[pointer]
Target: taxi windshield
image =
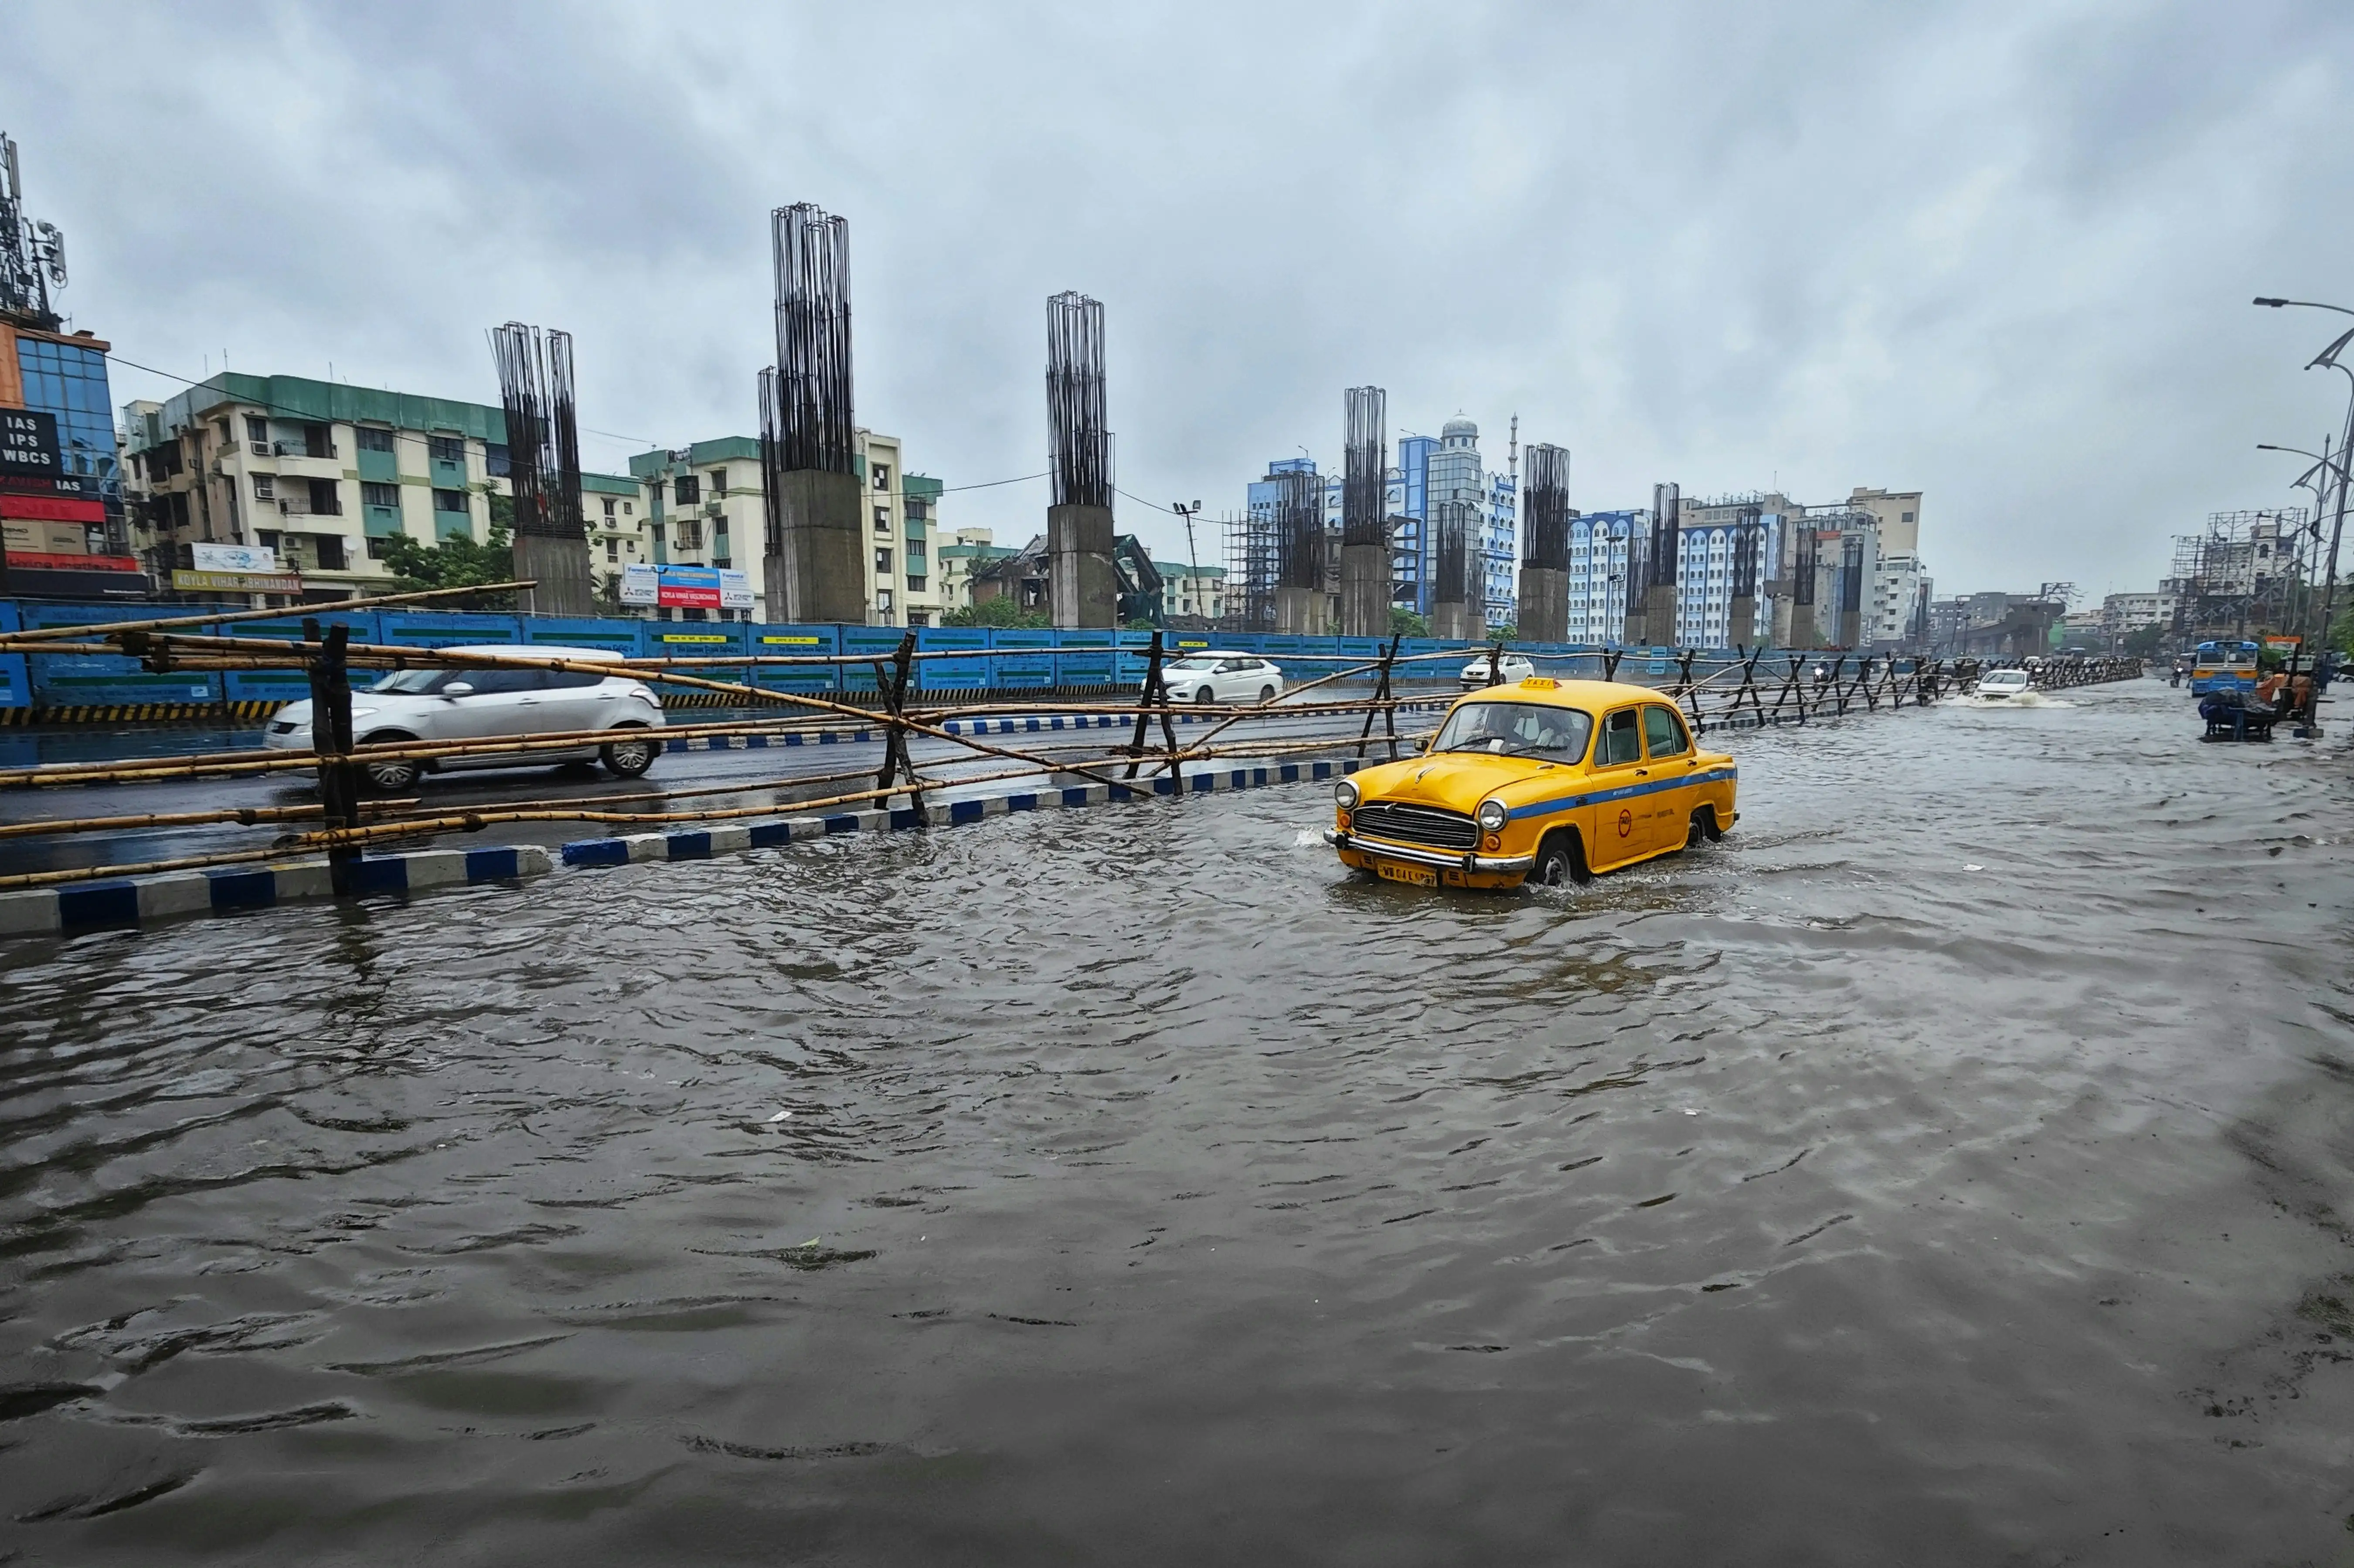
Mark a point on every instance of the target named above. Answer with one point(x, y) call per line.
point(1516, 729)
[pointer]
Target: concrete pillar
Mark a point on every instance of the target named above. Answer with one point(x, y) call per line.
point(1083, 588)
point(560, 567)
point(1458, 622)
point(1660, 615)
point(1544, 605)
point(1741, 622)
point(1365, 590)
point(816, 566)
point(1303, 612)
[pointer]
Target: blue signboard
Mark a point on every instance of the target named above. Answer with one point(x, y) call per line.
point(15, 686)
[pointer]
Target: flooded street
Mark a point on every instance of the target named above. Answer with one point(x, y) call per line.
point(1949, 1168)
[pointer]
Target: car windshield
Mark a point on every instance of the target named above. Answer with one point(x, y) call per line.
point(1192, 666)
point(1516, 729)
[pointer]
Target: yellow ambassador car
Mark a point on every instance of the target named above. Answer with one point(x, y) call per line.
point(1546, 781)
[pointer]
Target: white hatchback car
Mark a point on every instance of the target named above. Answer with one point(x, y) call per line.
point(470, 705)
point(1510, 669)
point(1221, 678)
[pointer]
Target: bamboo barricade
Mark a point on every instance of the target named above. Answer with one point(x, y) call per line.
point(1734, 693)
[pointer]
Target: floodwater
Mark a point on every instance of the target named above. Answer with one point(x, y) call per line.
point(1949, 1168)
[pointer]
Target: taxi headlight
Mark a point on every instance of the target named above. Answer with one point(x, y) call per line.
point(1344, 794)
point(1491, 816)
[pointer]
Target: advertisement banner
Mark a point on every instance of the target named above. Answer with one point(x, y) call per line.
point(686, 588)
point(28, 444)
point(232, 558)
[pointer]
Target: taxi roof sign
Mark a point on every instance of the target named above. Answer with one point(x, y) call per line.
point(1541, 683)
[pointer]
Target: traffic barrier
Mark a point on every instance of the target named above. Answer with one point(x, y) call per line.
point(139, 901)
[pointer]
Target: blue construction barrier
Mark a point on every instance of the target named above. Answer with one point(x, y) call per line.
point(15, 681)
point(102, 680)
point(1096, 662)
point(1027, 671)
point(952, 675)
point(445, 629)
point(870, 642)
point(275, 686)
point(772, 640)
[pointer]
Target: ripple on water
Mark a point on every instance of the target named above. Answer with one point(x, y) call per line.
point(1943, 1170)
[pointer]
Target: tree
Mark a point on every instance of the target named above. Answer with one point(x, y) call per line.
point(609, 594)
point(1405, 622)
point(999, 611)
point(1508, 632)
point(2142, 642)
point(455, 562)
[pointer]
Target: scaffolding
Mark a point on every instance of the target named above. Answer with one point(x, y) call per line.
point(1250, 570)
point(2245, 572)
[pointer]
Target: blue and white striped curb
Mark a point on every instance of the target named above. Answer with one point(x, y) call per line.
point(764, 742)
point(146, 900)
point(1042, 723)
point(702, 843)
point(141, 901)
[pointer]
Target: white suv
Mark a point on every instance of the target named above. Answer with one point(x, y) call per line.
point(1221, 678)
point(470, 705)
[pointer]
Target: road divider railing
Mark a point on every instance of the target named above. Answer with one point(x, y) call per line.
point(1748, 688)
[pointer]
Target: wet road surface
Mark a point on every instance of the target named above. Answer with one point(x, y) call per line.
point(1949, 1168)
point(773, 775)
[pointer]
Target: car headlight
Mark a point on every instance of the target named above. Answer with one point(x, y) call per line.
point(1344, 794)
point(1491, 816)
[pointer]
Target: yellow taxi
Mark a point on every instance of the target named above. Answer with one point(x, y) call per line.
point(1546, 781)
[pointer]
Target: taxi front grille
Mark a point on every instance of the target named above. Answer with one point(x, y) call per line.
point(1411, 824)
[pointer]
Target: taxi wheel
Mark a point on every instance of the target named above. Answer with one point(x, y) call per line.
point(1704, 826)
point(1561, 860)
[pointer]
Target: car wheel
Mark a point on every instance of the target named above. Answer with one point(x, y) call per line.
point(1266, 696)
point(1203, 695)
point(1561, 860)
point(391, 777)
point(629, 758)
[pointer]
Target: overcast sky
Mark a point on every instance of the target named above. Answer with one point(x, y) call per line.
point(2001, 254)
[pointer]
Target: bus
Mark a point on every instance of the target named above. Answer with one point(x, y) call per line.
point(2224, 667)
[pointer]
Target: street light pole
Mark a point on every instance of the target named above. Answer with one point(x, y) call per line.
point(2328, 357)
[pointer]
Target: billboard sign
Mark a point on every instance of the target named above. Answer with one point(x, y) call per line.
point(232, 558)
point(686, 588)
point(187, 581)
point(28, 444)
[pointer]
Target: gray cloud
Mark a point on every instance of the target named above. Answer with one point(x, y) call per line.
point(2002, 253)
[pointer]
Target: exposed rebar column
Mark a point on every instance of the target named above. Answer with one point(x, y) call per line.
point(1544, 546)
point(1850, 606)
point(1651, 619)
point(815, 563)
point(1741, 616)
point(544, 468)
point(1365, 533)
point(1302, 608)
point(1457, 611)
point(1083, 587)
point(1797, 629)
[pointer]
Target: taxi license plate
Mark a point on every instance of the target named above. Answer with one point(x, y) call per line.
point(1412, 875)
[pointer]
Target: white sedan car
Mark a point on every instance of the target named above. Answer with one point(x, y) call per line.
point(470, 705)
point(1511, 668)
point(1221, 678)
point(2001, 685)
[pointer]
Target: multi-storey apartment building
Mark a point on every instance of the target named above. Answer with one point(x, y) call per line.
point(705, 508)
point(327, 475)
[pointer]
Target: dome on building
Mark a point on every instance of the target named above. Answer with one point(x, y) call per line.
point(1459, 429)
